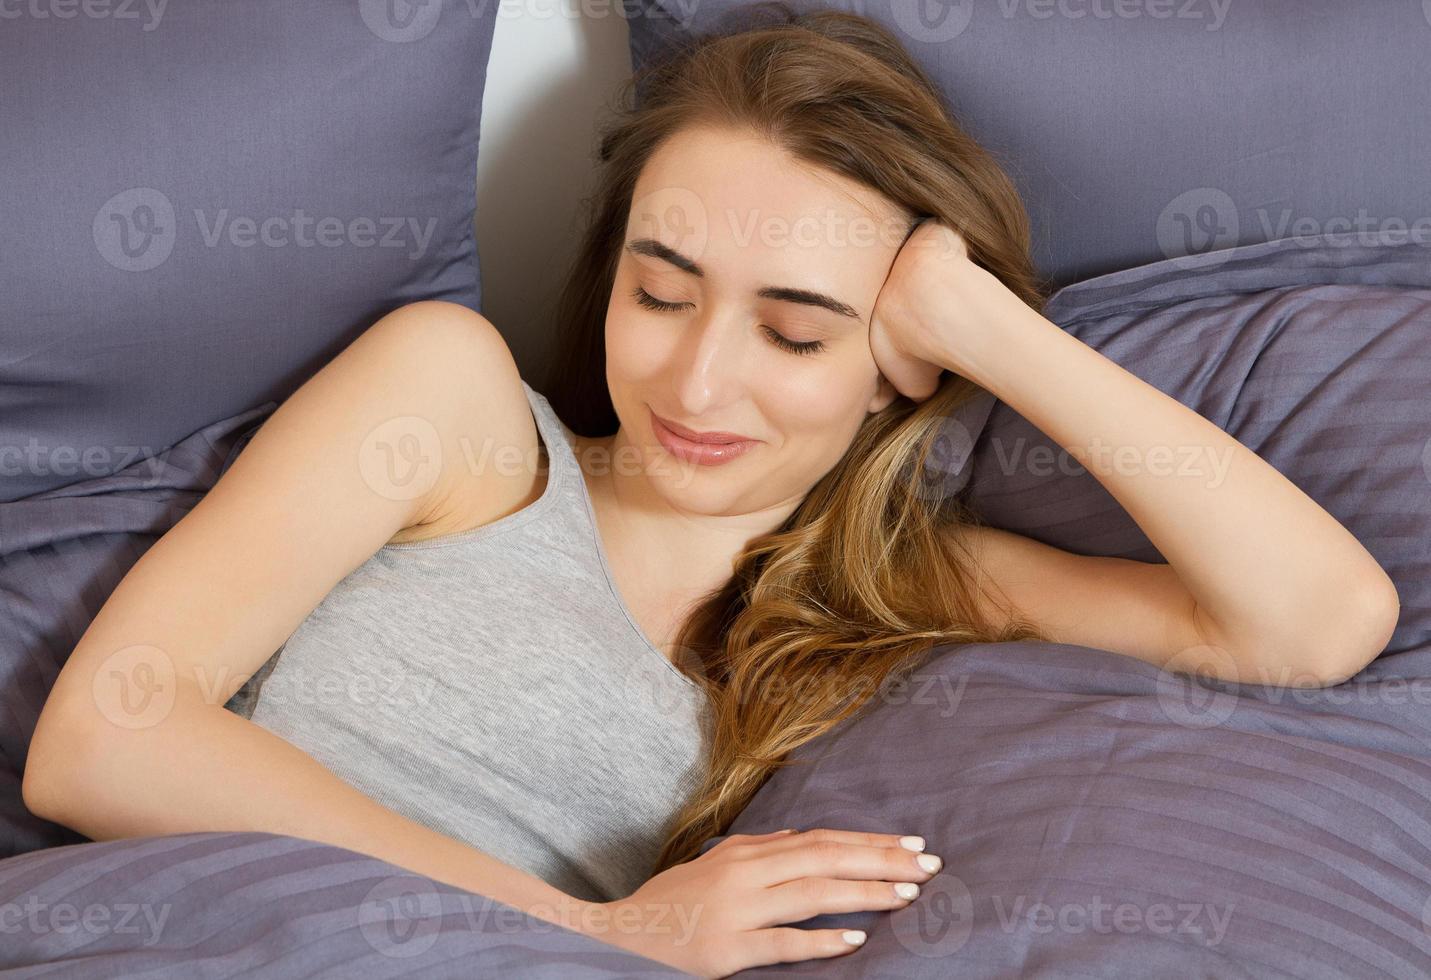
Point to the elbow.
(1356, 638)
(55, 768)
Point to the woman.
(552, 690)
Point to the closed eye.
(650, 302)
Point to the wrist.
(542, 900)
(1004, 355)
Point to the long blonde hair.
(864, 577)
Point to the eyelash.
(662, 306)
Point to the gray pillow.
(1140, 130)
(207, 201)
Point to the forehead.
(739, 205)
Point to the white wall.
(556, 67)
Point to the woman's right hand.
(721, 912)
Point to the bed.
(1236, 245)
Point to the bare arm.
(134, 740)
(1257, 568)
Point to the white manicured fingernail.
(912, 843)
(907, 889)
(854, 937)
(929, 862)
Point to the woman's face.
(741, 304)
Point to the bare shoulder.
(489, 441)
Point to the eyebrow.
(789, 294)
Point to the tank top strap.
(556, 437)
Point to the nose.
(710, 366)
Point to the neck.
(692, 552)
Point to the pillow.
(62, 553)
(1142, 129)
(207, 201)
(1313, 353)
(1098, 817)
(262, 905)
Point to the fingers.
(832, 854)
(908, 842)
(736, 840)
(798, 900)
(790, 945)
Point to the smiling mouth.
(707, 438)
(700, 453)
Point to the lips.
(709, 438)
(701, 448)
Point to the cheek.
(634, 350)
(825, 408)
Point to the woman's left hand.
(932, 310)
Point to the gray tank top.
(492, 685)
